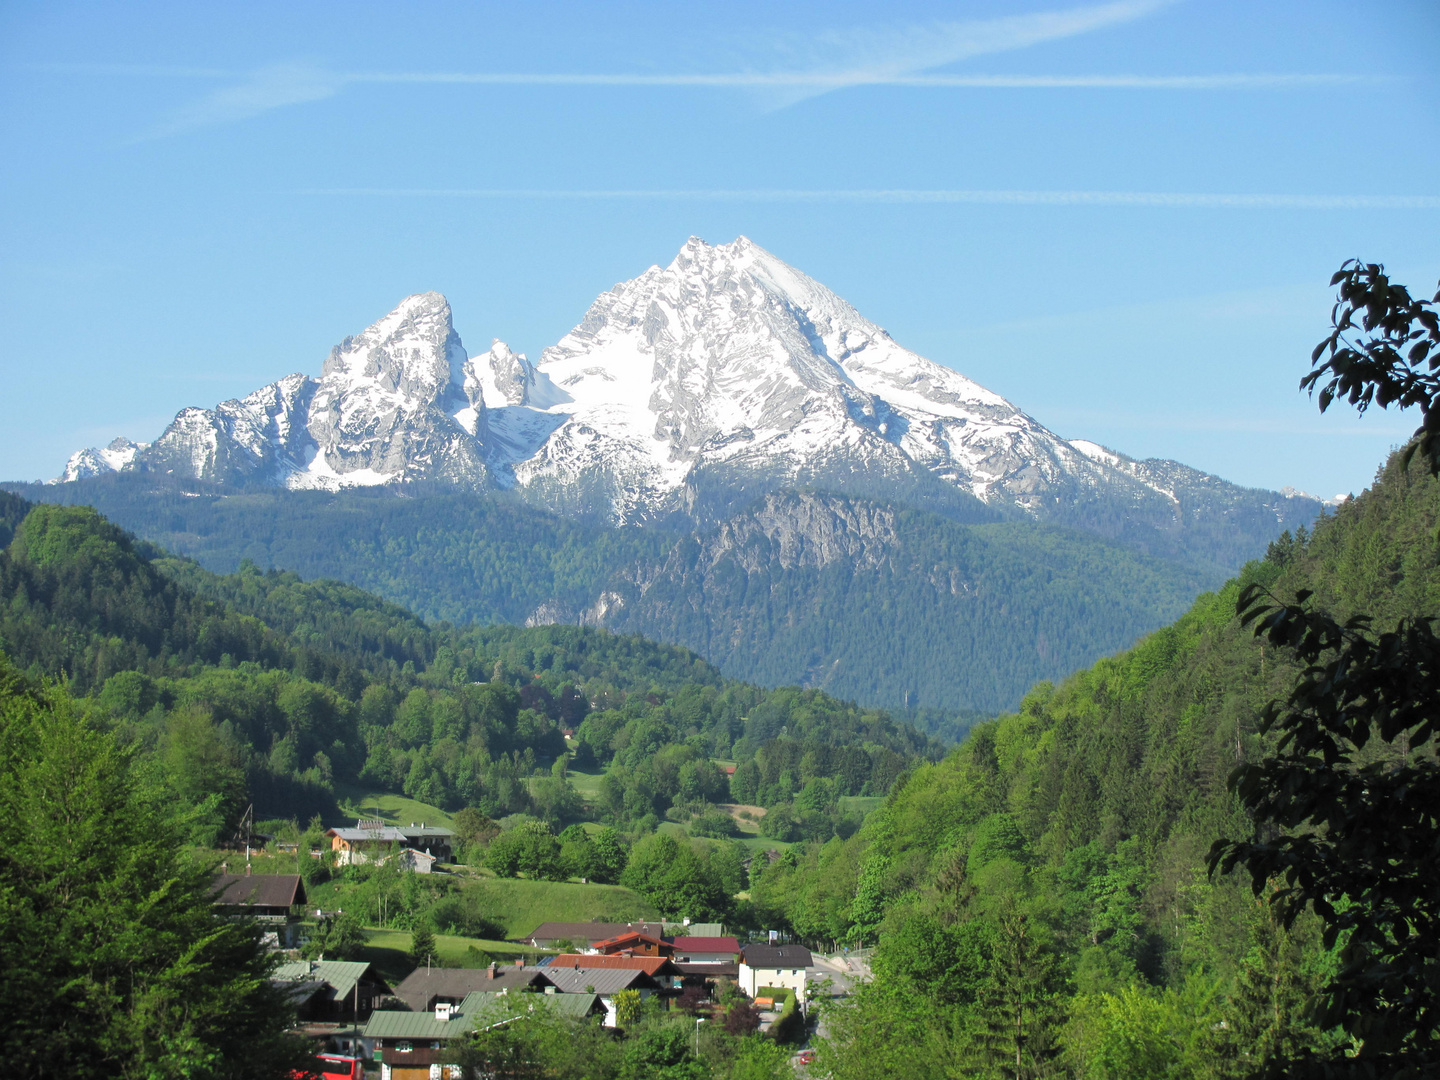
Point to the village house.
(425, 988)
(371, 841)
(332, 991)
(414, 1045)
(275, 901)
(779, 966)
(705, 950)
(603, 982)
(633, 943)
(433, 840)
(659, 968)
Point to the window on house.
(404, 1046)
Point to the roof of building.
(776, 956)
(706, 945)
(341, 975)
(394, 1024)
(259, 890)
(705, 929)
(418, 854)
(601, 981)
(423, 985)
(588, 931)
(484, 1004)
(630, 938)
(381, 832)
(651, 965)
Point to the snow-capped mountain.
(686, 392)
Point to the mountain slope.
(1091, 809)
(898, 606)
(888, 605)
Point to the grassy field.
(863, 803)
(521, 905)
(389, 951)
(587, 784)
(357, 802)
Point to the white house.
(774, 965)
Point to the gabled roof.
(599, 980)
(259, 890)
(340, 975)
(776, 956)
(706, 945)
(629, 938)
(423, 985)
(483, 1005)
(425, 830)
(383, 832)
(393, 1024)
(651, 965)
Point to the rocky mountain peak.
(413, 352)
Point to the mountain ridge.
(681, 397)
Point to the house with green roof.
(409, 1044)
(333, 991)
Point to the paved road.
(844, 973)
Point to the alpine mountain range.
(763, 427)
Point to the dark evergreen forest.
(951, 619)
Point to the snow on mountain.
(687, 391)
(97, 461)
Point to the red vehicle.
(336, 1067)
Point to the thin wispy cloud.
(821, 82)
(268, 88)
(1162, 199)
(779, 71)
(862, 55)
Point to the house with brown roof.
(603, 982)
(275, 901)
(425, 988)
(658, 968)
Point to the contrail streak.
(921, 196)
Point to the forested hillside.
(892, 607)
(260, 687)
(1054, 864)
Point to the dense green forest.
(1051, 871)
(931, 616)
(261, 688)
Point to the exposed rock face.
(685, 395)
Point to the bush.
(716, 824)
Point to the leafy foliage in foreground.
(115, 963)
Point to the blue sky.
(1123, 216)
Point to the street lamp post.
(698, 1021)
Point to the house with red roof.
(633, 943)
(705, 950)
